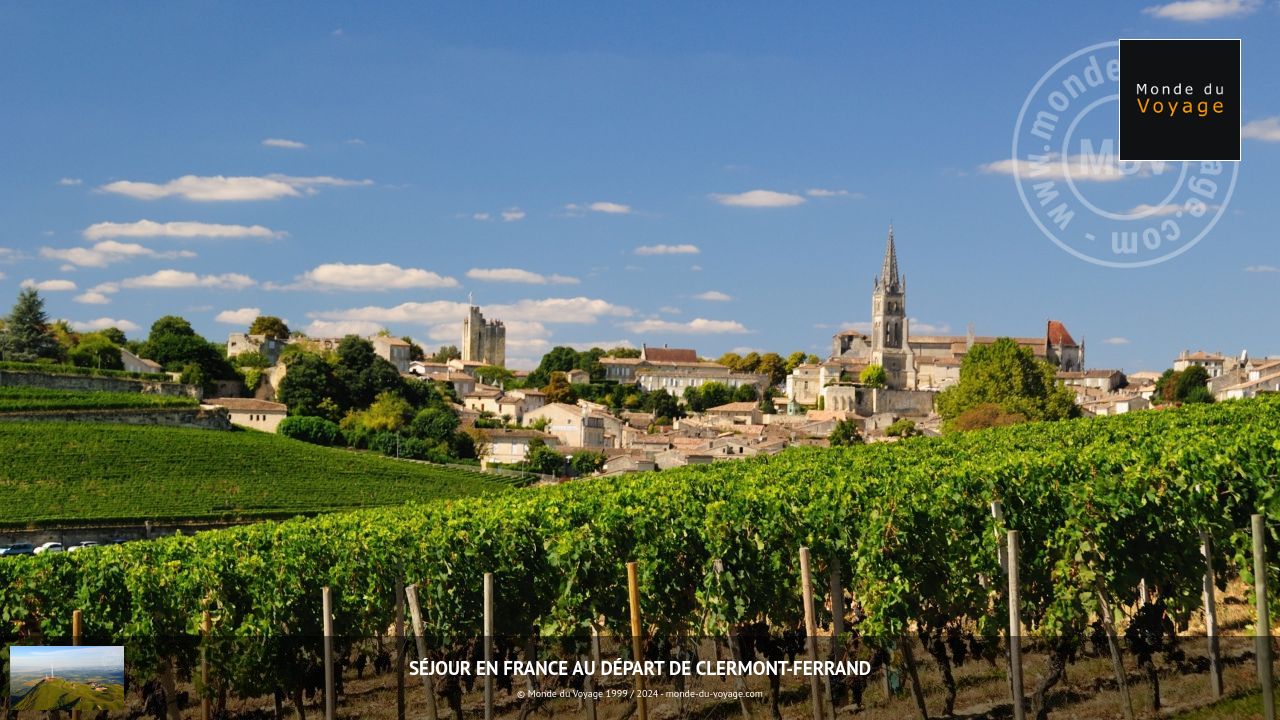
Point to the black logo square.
(1179, 100)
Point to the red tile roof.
(1058, 334)
(669, 354)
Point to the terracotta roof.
(1058, 334)
(506, 433)
(1201, 355)
(247, 404)
(663, 354)
(734, 407)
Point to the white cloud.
(603, 344)
(107, 252)
(1262, 269)
(713, 296)
(103, 323)
(1197, 10)
(668, 309)
(512, 214)
(70, 181)
(610, 207)
(481, 216)
(1080, 168)
(575, 310)
(516, 275)
(243, 316)
(1116, 341)
(180, 279)
(49, 285)
(697, 326)
(1267, 129)
(92, 297)
(150, 228)
(219, 188)
(9, 255)
(384, 276)
(354, 141)
(667, 250)
(825, 193)
(758, 199)
(341, 328)
(283, 143)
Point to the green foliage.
(663, 405)
(251, 359)
(445, 354)
(986, 415)
(873, 376)
(363, 374)
(176, 346)
(53, 369)
(708, 395)
(493, 375)
(310, 387)
(745, 393)
(845, 433)
(558, 390)
(586, 462)
(27, 335)
(21, 399)
(1099, 504)
(435, 423)
(269, 325)
(96, 350)
(57, 473)
(1183, 386)
(542, 459)
(314, 430)
(902, 427)
(1008, 376)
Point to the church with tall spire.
(889, 347)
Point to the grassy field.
(60, 694)
(24, 399)
(69, 473)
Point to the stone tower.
(889, 347)
(483, 340)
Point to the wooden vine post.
(77, 636)
(1015, 627)
(326, 605)
(1113, 643)
(1263, 630)
(206, 629)
(400, 650)
(637, 640)
(488, 645)
(811, 632)
(1211, 616)
(428, 681)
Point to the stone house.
(247, 412)
(510, 447)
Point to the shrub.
(315, 430)
(902, 428)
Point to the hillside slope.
(63, 473)
(60, 694)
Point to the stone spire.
(889, 279)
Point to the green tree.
(745, 393)
(416, 353)
(845, 433)
(269, 325)
(27, 335)
(795, 360)
(663, 405)
(542, 459)
(311, 388)
(493, 375)
(558, 359)
(434, 423)
(175, 345)
(902, 427)
(586, 462)
(1010, 377)
(709, 395)
(95, 350)
(115, 335)
(388, 413)
(558, 390)
(873, 376)
(1192, 386)
(251, 359)
(445, 354)
(774, 366)
(364, 374)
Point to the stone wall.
(204, 417)
(103, 533)
(89, 383)
(902, 402)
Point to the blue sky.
(30, 658)
(583, 171)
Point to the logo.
(1067, 168)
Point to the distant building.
(1214, 363)
(674, 370)
(133, 363)
(510, 447)
(393, 350)
(269, 347)
(257, 414)
(573, 425)
(483, 341)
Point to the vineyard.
(1102, 506)
(76, 370)
(67, 474)
(25, 399)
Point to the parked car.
(17, 549)
(51, 547)
(82, 545)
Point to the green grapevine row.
(1101, 504)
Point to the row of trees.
(770, 363)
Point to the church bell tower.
(889, 348)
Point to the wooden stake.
(1264, 618)
(835, 595)
(590, 681)
(739, 684)
(1116, 663)
(206, 629)
(909, 659)
(400, 650)
(488, 645)
(1015, 627)
(637, 639)
(428, 681)
(77, 634)
(1211, 616)
(811, 632)
(330, 699)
